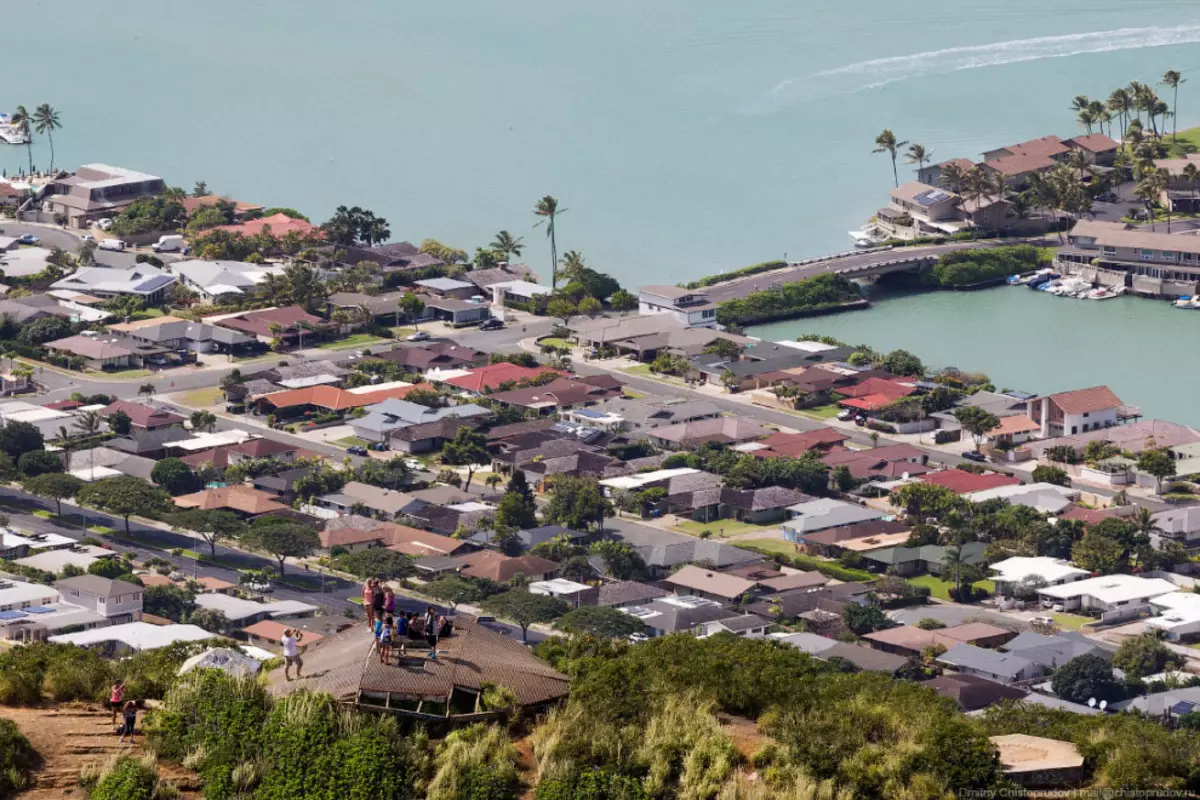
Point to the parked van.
(112, 244)
(168, 244)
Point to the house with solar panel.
(917, 209)
(141, 280)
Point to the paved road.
(70, 241)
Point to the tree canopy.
(525, 608)
(576, 502)
(1084, 678)
(175, 476)
(601, 622)
(124, 496)
(283, 538)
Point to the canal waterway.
(684, 136)
(1028, 340)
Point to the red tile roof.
(335, 399)
(272, 631)
(280, 225)
(794, 445)
(504, 569)
(64, 405)
(961, 482)
(877, 386)
(1088, 516)
(141, 415)
(1085, 401)
(242, 498)
(259, 323)
(1020, 164)
(560, 392)
(1042, 146)
(1094, 143)
(254, 448)
(1018, 423)
(491, 376)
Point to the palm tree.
(21, 119)
(1163, 111)
(377, 231)
(147, 389)
(1120, 103)
(1086, 118)
(1191, 174)
(508, 245)
(1172, 78)
(917, 154)
(886, 142)
(1137, 94)
(953, 177)
(572, 265)
(87, 423)
(1149, 190)
(1077, 159)
(547, 208)
(1080, 102)
(46, 120)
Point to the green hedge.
(830, 569)
(983, 265)
(811, 295)
(753, 269)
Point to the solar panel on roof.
(590, 414)
(37, 610)
(1182, 707)
(931, 196)
(12, 614)
(157, 282)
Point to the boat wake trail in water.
(882, 71)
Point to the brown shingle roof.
(1020, 164)
(242, 498)
(705, 580)
(504, 569)
(142, 415)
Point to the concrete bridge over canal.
(862, 264)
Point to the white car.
(87, 237)
(412, 463)
(104, 224)
(261, 588)
(1041, 621)
(419, 336)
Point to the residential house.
(104, 351)
(1179, 524)
(889, 462)
(1134, 437)
(269, 633)
(532, 537)
(1023, 575)
(141, 280)
(829, 542)
(621, 594)
(573, 593)
(384, 420)
(144, 417)
(963, 482)
(1078, 411)
(119, 601)
(487, 278)
(447, 287)
(392, 257)
(1048, 498)
(1179, 194)
(240, 210)
(456, 312)
(249, 450)
(759, 506)
(289, 324)
(132, 637)
(243, 500)
(1125, 594)
(690, 306)
(918, 209)
(246, 612)
(385, 504)
(1018, 169)
(822, 514)
(281, 484)
(492, 566)
(693, 580)
(1158, 263)
(520, 292)
(437, 356)
(1051, 652)
(1100, 150)
(295, 402)
(744, 625)
(145, 443)
(920, 560)
(796, 445)
(560, 394)
(222, 282)
(278, 225)
(907, 641)
(722, 430)
(865, 658)
(98, 191)
(972, 692)
(968, 659)
(676, 614)
(384, 308)
(182, 334)
(494, 377)
(1178, 615)
(105, 462)
(932, 173)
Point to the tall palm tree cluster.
(44, 120)
(1126, 105)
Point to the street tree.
(467, 449)
(282, 538)
(39, 462)
(525, 608)
(577, 502)
(517, 509)
(211, 526)
(601, 622)
(976, 421)
(413, 307)
(19, 438)
(124, 496)
(562, 308)
(590, 306)
(56, 486)
(175, 476)
(1157, 463)
(454, 589)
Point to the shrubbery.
(810, 295)
(753, 269)
(17, 759)
(983, 265)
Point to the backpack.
(386, 636)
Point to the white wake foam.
(882, 71)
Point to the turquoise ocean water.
(683, 137)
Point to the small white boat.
(1071, 287)
(1186, 301)
(869, 235)
(1105, 293)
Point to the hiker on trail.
(291, 652)
(116, 699)
(130, 722)
(377, 599)
(385, 640)
(368, 596)
(431, 628)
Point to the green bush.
(983, 265)
(17, 759)
(60, 672)
(811, 295)
(743, 272)
(829, 569)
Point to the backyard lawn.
(147, 313)
(202, 398)
(821, 412)
(725, 528)
(1070, 622)
(353, 340)
(941, 589)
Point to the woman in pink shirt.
(368, 596)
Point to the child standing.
(130, 722)
(385, 640)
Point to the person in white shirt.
(291, 652)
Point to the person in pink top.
(368, 596)
(116, 699)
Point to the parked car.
(846, 415)
(104, 224)
(419, 336)
(413, 463)
(356, 450)
(28, 238)
(1107, 197)
(112, 244)
(263, 587)
(492, 324)
(974, 455)
(1036, 621)
(87, 237)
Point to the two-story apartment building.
(97, 191)
(119, 601)
(1158, 263)
(1180, 192)
(1078, 411)
(690, 306)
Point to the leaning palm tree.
(953, 177)
(1086, 118)
(87, 423)
(508, 245)
(886, 142)
(1120, 103)
(1080, 102)
(22, 120)
(1172, 79)
(547, 208)
(1149, 190)
(917, 154)
(1078, 160)
(46, 121)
